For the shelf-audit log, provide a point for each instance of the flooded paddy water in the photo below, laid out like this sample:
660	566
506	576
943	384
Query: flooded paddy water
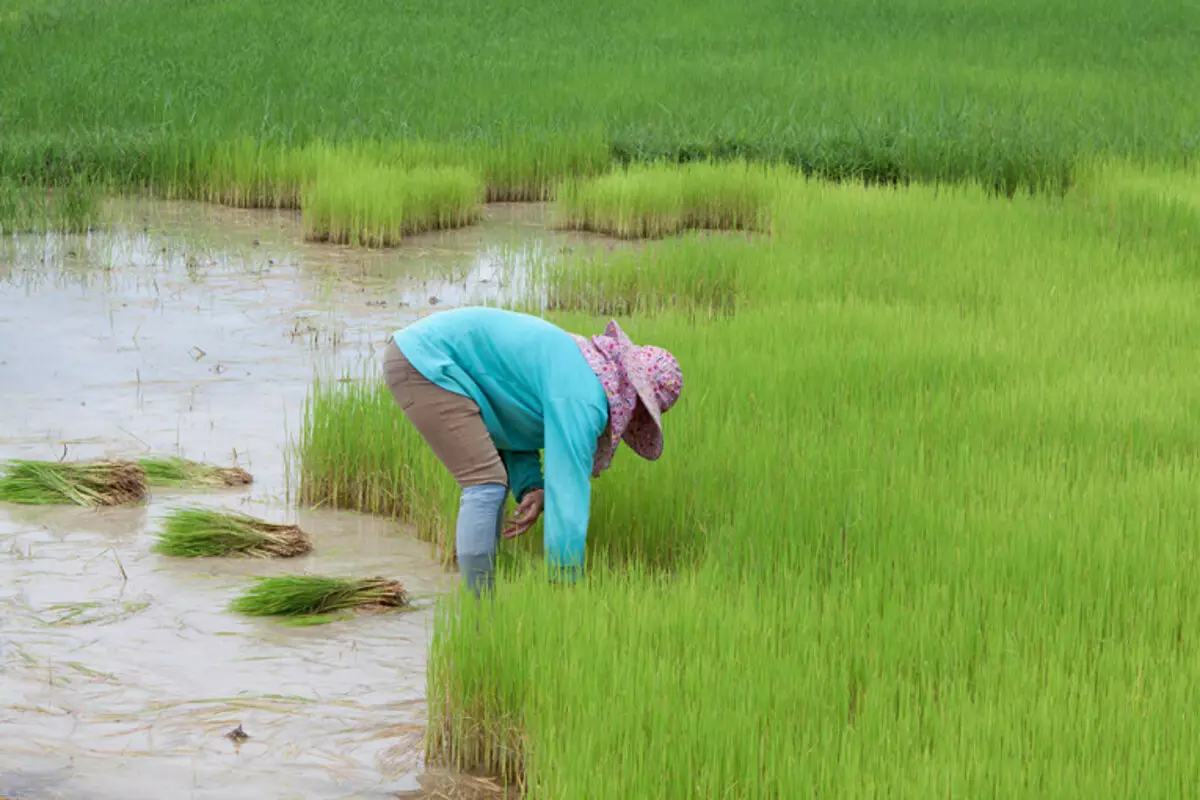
196	330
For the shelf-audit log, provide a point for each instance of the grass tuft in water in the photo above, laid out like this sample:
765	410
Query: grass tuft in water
358	451
171	471
373	206
207	533
72	207
101	483
655	201
308	595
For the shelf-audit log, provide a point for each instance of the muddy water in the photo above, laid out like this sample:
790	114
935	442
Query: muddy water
196	330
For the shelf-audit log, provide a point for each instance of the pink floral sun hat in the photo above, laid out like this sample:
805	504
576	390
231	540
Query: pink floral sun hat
642	383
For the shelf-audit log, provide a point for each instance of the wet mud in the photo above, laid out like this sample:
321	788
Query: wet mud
196	330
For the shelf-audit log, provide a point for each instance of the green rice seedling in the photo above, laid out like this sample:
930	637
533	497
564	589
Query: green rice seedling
72	207
944	97
306	595
208	533
1148	208
523	168
698	273
373	206
516	167
91	484
173	471
650	202
905	502
357	451
247	173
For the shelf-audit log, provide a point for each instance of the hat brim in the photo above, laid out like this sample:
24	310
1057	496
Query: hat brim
644	434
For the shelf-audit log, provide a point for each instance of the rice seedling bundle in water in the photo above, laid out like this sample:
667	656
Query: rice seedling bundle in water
92	484
203	532
303	595
181	472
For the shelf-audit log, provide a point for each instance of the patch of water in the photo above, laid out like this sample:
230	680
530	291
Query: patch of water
197	330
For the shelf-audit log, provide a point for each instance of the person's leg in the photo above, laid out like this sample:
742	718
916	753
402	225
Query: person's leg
453	428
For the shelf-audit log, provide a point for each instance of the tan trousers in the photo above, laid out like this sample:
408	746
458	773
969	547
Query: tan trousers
448	422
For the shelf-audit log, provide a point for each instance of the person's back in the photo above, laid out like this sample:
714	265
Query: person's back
511	364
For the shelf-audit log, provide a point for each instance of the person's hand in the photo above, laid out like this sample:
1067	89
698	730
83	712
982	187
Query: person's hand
526	514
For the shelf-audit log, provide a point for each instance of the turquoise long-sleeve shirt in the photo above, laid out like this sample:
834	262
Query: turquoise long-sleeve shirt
535	392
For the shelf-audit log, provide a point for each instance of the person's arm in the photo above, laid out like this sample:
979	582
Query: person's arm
572	428
524	471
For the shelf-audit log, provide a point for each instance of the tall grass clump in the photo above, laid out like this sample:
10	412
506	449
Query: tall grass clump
91	484
248	173
935	510
358	451
374	206
523	168
208	533
305	595
698	273
661	200
172	471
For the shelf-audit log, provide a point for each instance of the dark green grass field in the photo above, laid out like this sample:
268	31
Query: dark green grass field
1009	91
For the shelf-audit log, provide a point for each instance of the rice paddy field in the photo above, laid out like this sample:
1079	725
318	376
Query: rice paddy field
926	519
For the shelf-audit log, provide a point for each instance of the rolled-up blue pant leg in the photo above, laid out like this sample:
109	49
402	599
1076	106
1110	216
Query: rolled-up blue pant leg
480	516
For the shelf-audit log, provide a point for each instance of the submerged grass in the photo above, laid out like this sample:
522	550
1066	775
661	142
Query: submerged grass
661	200
73	207
208	533
308	595
101	483
172	471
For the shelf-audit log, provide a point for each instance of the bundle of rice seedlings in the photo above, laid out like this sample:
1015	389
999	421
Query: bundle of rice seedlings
205	532
92	484
302	595
181	472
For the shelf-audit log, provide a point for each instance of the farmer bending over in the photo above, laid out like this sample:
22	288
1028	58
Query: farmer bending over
488	389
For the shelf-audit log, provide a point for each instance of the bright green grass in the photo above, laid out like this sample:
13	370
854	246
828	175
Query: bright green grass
931	499
357	451
694	274
649	202
1010	91
251	174
309	595
378	206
